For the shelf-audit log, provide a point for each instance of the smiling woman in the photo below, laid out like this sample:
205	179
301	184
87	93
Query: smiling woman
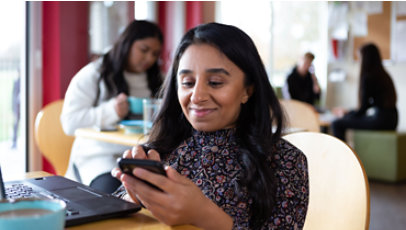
210	93
228	169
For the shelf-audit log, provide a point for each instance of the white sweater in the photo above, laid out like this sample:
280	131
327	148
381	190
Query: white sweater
90	156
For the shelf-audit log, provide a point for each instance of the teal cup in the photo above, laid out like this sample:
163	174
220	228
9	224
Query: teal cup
135	104
32	214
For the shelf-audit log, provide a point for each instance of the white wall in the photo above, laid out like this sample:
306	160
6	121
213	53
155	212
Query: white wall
398	73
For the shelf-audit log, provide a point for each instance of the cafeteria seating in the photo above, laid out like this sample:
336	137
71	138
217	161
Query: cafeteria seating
338	187
300	115
383	153
53	143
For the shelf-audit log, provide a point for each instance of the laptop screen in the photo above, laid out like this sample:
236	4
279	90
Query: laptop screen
2	189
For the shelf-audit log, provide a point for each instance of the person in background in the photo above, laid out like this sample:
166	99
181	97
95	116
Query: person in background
16	109
377	98
301	84
226	167
97	97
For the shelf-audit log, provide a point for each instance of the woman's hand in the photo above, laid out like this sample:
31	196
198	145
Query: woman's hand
339	112
121	105
316	87
137	152
180	202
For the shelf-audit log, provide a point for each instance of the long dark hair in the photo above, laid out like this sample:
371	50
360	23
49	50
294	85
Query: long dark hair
373	69
371	61
254	125
115	61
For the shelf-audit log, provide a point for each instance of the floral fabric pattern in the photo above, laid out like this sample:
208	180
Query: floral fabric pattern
211	161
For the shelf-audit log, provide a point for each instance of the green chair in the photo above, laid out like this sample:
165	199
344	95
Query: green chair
383	154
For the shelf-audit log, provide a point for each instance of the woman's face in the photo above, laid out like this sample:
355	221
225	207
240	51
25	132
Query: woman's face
210	88
143	54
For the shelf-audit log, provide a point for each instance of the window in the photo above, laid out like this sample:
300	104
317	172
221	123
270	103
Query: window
282	31
299	27
254	18
108	20
12	146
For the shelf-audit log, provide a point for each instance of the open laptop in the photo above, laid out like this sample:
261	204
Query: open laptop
83	203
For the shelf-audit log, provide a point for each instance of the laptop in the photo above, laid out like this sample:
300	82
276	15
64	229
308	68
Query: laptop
83	203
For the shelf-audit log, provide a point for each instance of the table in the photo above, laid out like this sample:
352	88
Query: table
140	220
325	120
115	137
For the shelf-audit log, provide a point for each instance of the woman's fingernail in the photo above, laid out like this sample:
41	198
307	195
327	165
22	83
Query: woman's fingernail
133	151
137	172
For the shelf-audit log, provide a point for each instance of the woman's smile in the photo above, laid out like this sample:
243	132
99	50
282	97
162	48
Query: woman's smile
201	112
211	88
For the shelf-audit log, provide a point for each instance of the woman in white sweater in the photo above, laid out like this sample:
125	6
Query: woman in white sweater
97	96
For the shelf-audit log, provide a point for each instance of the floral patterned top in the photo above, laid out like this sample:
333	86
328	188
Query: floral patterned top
211	161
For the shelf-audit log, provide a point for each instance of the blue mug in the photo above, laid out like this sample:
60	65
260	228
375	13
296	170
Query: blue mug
32	214
135	104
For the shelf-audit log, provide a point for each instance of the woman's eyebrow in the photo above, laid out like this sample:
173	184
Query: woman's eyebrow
218	70
144	45
184	71
211	70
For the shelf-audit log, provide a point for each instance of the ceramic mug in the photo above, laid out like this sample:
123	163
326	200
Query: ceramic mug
32	214
135	104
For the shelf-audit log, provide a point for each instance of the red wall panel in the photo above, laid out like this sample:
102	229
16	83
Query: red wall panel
194	14
65	46
165	23
51	58
74	41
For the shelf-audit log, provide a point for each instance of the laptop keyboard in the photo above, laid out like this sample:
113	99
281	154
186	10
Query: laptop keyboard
17	191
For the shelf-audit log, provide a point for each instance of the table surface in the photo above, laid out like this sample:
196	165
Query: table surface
326	118
115	137
140	220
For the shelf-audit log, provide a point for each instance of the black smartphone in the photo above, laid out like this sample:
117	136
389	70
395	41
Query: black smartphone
128	165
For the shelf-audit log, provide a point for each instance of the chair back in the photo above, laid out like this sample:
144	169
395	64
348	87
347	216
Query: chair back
338	186
300	115
54	144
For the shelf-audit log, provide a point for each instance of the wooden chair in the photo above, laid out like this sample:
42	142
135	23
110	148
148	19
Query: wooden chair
54	144
338	185
300	115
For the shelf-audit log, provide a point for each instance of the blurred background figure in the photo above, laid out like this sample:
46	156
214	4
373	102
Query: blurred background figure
97	97
16	109
377	97
301	84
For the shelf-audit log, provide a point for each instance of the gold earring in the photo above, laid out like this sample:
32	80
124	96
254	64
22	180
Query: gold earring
245	99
